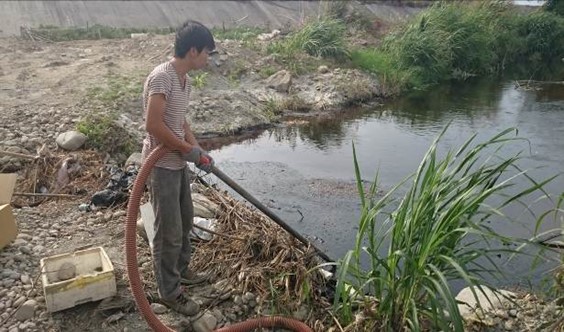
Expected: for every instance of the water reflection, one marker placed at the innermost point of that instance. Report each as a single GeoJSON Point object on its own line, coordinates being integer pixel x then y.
{"type": "Point", "coordinates": [392, 139]}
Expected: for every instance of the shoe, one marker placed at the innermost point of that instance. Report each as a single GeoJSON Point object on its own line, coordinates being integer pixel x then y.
{"type": "Point", "coordinates": [192, 278]}
{"type": "Point", "coordinates": [183, 304]}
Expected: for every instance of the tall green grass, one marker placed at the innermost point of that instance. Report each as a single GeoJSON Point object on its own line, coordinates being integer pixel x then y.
{"type": "Point", "coordinates": [438, 232]}
{"type": "Point", "coordinates": [322, 37]}
{"type": "Point", "coordinates": [457, 40]}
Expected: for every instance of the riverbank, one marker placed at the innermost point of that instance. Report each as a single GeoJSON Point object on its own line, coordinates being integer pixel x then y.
{"type": "Point", "coordinates": [59, 86]}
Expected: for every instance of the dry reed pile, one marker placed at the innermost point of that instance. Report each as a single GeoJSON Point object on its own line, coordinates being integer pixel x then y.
{"type": "Point", "coordinates": [50, 175]}
{"type": "Point", "coordinates": [257, 255]}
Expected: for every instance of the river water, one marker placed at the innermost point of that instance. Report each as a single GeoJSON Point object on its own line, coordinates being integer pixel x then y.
{"type": "Point", "coordinates": [305, 173]}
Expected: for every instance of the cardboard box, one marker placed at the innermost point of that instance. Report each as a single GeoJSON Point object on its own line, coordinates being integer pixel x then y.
{"type": "Point", "coordinates": [8, 227]}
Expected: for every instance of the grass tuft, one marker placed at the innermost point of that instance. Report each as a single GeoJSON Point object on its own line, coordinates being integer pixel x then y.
{"type": "Point", "coordinates": [433, 235]}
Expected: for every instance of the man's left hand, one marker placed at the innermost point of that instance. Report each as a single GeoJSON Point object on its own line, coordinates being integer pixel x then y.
{"type": "Point", "coordinates": [206, 162]}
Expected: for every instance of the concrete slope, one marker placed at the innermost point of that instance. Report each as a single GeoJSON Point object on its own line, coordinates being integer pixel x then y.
{"type": "Point", "coordinates": [273, 14]}
{"type": "Point", "coordinates": [14, 14]}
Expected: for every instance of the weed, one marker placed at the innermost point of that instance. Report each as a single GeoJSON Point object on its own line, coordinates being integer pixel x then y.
{"type": "Point", "coordinates": [433, 235]}
{"type": "Point", "coordinates": [236, 71]}
{"type": "Point", "coordinates": [296, 104]}
{"type": "Point", "coordinates": [322, 37]}
{"type": "Point", "coordinates": [199, 80]}
{"type": "Point", "coordinates": [356, 90]}
{"type": "Point", "coordinates": [267, 71]}
{"type": "Point", "coordinates": [106, 135]}
{"type": "Point", "coordinates": [237, 33]}
{"type": "Point", "coordinates": [273, 108]}
{"type": "Point", "coordinates": [117, 90]}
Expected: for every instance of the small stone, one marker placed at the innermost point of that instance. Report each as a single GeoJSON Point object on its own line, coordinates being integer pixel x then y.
{"type": "Point", "coordinates": [207, 322]}
{"type": "Point", "coordinates": [238, 300]}
{"type": "Point", "coordinates": [218, 315]}
{"type": "Point", "coordinates": [66, 271]}
{"type": "Point", "coordinates": [323, 69]}
{"type": "Point", "coordinates": [26, 311]}
{"type": "Point", "coordinates": [248, 296]}
{"type": "Point", "coordinates": [25, 279]}
{"type": "Point", "coordinates": [19, 301]}
{"type": "Point", "coordinates": [513, 313]}
{"type": "Point", "coordinates": [158, 308]}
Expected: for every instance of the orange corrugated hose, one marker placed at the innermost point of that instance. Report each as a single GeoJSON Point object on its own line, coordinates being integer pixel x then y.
{"type": "Point", "coordinates": [135, 279]}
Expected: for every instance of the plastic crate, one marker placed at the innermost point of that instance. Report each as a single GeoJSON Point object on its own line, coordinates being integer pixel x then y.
{"type": "Point", "coordinates": [94, 279]}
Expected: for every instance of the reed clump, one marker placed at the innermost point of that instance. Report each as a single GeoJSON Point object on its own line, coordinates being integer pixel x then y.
{"type": "Point", "coordinates": [409, 250]}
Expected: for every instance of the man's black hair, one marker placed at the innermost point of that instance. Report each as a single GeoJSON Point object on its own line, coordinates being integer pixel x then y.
{"type": "Point", "coordinates": [192, 34]}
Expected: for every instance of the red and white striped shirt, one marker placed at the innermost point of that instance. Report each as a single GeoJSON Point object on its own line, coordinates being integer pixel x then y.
{"type": "Point", "coordinates": [164, 80]}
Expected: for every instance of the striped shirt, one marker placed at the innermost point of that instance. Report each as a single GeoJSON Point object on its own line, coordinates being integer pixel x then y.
{"type": "Point", "coordinates": [164, 80]}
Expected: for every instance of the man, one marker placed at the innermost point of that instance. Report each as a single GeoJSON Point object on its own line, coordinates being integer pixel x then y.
{"type": "Point", "coordinates": [165, 103]}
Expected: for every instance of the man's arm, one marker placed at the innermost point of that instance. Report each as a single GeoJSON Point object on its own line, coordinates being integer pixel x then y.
{"type": "Point", "coordinates": [155, 125]}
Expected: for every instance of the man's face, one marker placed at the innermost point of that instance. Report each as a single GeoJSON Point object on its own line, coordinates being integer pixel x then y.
{"type": "Point", "coordinates": [201, 59]}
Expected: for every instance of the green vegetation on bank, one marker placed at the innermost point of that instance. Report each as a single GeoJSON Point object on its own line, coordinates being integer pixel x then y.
{"type": "Point", "coordinates": [320, 38]}
{"type": "Point", "coordinates": [237, 33]}
{"type": "Point", "coordinates": [54, 33]}
{"type": "Point", "coordinates": [457, 40]}
{"type": "Point", "coordinates": [438, 232]}
{"type": "Point", "coordinates": [102, 123]}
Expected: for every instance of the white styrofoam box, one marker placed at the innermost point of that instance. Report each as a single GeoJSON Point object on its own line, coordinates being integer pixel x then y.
{"type": "Point", "coordinates": [94, 279]}
{"type": "Point", "coordinates": [148, 217]}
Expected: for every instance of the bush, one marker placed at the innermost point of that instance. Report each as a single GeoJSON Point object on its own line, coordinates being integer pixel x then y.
{"type": "Point", "coordinates": [323, 37]}
{"type": "Point", "coordinates": [457, 40]}
{"type": "Point", "coordinates": [104, 134]}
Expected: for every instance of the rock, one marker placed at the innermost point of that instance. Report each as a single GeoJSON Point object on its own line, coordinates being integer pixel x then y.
{"type": "Point", "coordinates": [158, 308]}
{"type": "Point", "coordinates": [489, 300]}
{"type": "Point", "coordinates": [19, 302]}
{"type": "Point", "coordinates": [66, 271]}
{"type": "Point", "coordinates": [26, 311]}
{"type": "Point", "coordinates": [134, 159]}
{"type": "Point", "coordinates": [84, 207]}
{"type": "Point", "coordinates": [268, 36]}
{"type": "Point", "coordinates": [206, 323]}
{"type": "Point", "coordinates": [71, 140]}
{"type": "Point", "coordinates": [139, 35]}
{"type": "Point", "coordinates": [141, 229]}
{"type": "Point", "coordinates": [247, 297]}
{"type": "Point", "coordinates": [323, 69]}
{"type": "Point", "coordinates": [280, 81]}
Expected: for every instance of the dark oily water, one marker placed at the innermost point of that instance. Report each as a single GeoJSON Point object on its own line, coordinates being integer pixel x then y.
{"type": "Point", "coordinates": [305, 173]}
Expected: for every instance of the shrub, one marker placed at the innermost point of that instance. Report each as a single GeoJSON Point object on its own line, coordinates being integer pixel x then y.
{"type": "Point", "coordinates": [322, 37]}
{"type": "Point", "coordinates": [457, 40]}
{"type": "Point", "coordinates": [106, 135]}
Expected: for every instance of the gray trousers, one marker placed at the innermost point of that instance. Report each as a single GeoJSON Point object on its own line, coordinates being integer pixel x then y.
{"type": "Point", "coordinates": [174, 214]}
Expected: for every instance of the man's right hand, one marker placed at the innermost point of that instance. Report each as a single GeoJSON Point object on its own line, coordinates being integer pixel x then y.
{"type": "Point", "coordinates": [194, 155]}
